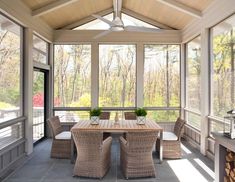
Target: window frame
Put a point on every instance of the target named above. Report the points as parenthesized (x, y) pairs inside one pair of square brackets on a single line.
[(118, 108), (188, 110), (21, 118), (66, 108), (167, 107), (21, 80), (39, 64), (211, 116)]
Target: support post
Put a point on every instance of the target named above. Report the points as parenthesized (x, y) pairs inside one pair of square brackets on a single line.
[(204, 90), (94, 75), (182, 81), (140, 75), (28, 89)]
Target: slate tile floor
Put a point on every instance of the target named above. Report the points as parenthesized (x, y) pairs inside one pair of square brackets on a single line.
[(41, 168)]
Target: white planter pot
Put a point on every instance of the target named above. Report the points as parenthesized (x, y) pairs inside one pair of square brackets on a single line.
[(95, 119), (141, 119)]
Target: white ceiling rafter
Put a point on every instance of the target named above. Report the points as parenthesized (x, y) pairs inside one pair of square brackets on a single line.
[(145, 19), (87, 19), (51, 7), (181, 7)]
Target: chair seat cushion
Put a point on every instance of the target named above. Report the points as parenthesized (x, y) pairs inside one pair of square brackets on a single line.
[(170, 136), (65, 135)]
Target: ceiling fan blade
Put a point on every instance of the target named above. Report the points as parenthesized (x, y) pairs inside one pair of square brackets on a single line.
[(141, 29), (102, 34), (117, 6), (104, 20)]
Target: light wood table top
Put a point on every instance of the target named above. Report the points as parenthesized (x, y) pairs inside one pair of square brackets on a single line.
[(122, 126)]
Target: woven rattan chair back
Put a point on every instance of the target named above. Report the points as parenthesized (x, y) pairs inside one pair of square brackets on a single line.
[(141, 141), (179, 128), (88, 142), (130, 116), (105, 115), (54, 123)]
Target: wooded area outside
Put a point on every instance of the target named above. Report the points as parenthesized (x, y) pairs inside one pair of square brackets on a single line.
[(10, 69), (117, 78), (193, 81), (117, 75), (222, 72), (162, 76), (72, 76), (223, 80), (193, 71)]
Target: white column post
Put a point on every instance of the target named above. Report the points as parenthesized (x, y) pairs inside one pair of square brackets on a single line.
[(94, 74), (204, 90), (51, 83), (140, 75), (28, 89), (182, 81)]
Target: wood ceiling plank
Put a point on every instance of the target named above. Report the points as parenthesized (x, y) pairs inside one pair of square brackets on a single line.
[(51, 7), (159, 12), (35, 4), (145, 19), (181, 7), (199, 5), (76, 11), (87, 19)]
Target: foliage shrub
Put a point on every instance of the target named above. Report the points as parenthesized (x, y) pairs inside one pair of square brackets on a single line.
[(4, 105), (95, 112), (140, 112)]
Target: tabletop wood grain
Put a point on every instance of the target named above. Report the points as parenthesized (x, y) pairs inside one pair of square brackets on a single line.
[(122, 126)]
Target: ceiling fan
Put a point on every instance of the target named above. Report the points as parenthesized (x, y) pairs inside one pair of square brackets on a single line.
[(117, 24)]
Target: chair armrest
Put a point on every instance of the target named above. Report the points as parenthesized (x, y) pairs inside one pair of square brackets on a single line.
[(107, 141), (106, 147), (122, 141), (123, 145)]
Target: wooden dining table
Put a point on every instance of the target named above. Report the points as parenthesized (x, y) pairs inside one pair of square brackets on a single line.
[(121, 126)]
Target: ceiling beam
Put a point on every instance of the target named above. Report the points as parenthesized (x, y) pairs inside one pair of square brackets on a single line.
[(51, 7), (145, 19), (86, 19), (181, 7)]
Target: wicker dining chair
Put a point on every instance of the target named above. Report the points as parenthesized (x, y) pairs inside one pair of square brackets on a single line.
[(172, 141), (105, 115), (94, 154), (136, 154), (130, 116), (61, 140)]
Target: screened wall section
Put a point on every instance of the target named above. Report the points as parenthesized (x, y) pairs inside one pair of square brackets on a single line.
[(162, 81), (117, 85), (11, 82), (72, 82), (193, 82), (222, 78)]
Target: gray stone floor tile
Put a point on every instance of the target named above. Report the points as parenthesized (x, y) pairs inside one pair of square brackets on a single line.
[(41, 168)]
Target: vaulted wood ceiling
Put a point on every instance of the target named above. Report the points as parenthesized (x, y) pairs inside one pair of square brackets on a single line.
[(172, 13)]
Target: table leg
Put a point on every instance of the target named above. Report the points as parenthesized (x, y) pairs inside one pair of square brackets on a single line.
[(161, 148), (72, 151)]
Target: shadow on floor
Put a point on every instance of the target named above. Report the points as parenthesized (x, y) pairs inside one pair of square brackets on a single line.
[(41, 168)]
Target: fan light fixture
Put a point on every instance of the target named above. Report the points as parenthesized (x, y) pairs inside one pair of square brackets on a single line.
[(117, 24)]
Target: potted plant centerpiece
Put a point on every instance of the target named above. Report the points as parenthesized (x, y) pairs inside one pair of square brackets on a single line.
[(141, 115), (94, 114)]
